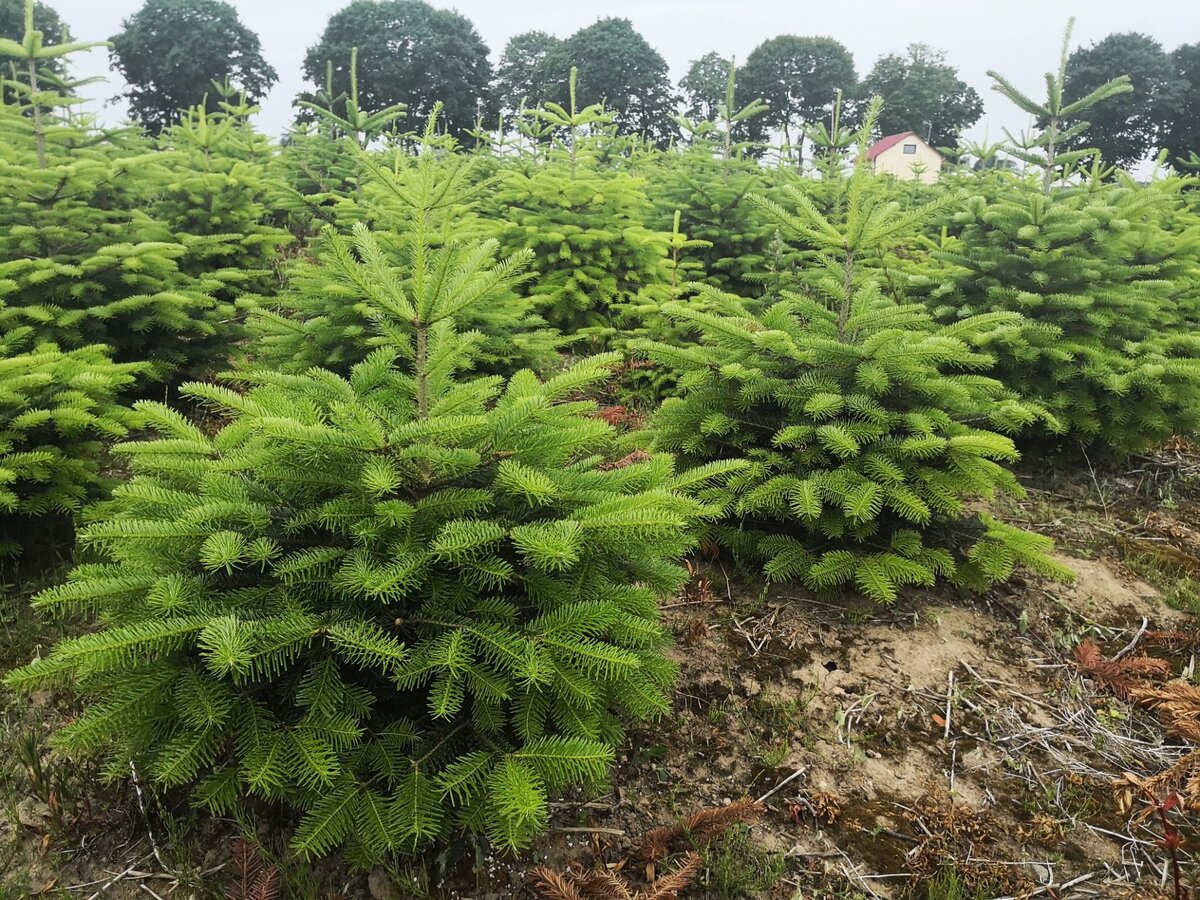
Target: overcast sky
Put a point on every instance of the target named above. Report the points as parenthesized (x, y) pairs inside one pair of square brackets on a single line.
[(1019, 38)]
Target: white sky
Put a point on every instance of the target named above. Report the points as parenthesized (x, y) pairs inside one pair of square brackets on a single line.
[(1019, 38)]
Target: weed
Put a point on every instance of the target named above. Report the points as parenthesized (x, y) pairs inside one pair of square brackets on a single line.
[(856, 616), (738, 868), (947, 884), (1179, 588)]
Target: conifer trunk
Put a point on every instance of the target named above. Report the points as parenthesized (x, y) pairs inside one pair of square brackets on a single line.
[(847, 287), (421, 365), (1051, 150), (39, 135)]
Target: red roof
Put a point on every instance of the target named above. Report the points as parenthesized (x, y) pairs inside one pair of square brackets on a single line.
[(884, 143)]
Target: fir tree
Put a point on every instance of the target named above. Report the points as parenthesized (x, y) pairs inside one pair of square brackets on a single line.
[(54, 31), (82, 260), (423, 212), (316, 164), (354, 121), (708, 184), (1059, 125), (868, 427), (56, 412), (585, 226), (219, 198), (404, 603), (831, 142), (1109, 344)]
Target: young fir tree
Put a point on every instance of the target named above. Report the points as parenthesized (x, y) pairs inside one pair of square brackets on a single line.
[(1110, 344), (56, 412), (313, 161), (359, 125), (867, 426), (401, 602), (425, 205), (56, 408), (831, 142), (82, 261), (321, 163), (220, 197), (1058, 122), (708, 184), (585, 225), (1107, 346)]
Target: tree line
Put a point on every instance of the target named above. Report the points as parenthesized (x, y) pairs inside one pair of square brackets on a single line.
[(408, 52)]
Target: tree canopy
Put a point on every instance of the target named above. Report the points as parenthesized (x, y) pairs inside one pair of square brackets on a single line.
[(170, 52), (524, 73), (798, 78), (619, 68), (703, 86), (1128, 128), (921, 92), (1182, 133), (410, 53)]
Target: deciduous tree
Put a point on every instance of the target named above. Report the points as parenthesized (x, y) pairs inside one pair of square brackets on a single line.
[(410, 53), (171, 52), (798, 78), (1181, 136), (524, 74), (921, 92), (1128, 128), (704, 84)]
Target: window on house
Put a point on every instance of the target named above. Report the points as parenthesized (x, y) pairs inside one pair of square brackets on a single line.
[(910, 149)]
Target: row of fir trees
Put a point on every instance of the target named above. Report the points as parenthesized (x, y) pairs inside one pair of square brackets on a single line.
[(378, 454)]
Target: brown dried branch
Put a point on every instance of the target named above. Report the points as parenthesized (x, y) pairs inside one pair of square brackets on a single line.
[(247, 865), (1182, 778), (668, 886), (1177, 704), (1119, 676), (617, 416), (636, 456), (700, 828), (554, 885), (253, 879), (610, 886), (266, 887), (607, 886), (1175, 641)]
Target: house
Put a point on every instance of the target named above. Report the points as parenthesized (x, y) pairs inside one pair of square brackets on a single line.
[(896, 155)]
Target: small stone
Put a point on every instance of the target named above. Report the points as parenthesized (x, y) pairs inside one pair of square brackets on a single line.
[(1041, 873), (33, 813), (42, 884), (380, 886)]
